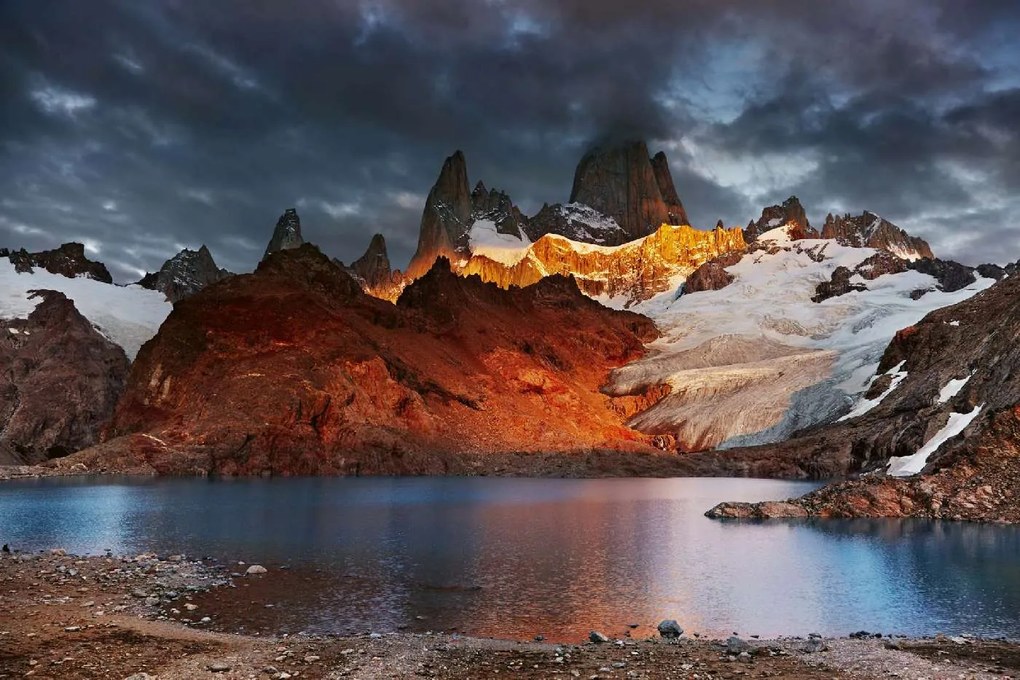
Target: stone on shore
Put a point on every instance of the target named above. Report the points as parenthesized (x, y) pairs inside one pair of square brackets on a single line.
[(670, 629)]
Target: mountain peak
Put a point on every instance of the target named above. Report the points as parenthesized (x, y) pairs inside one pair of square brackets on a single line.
[(622, 182), (871, 230), (446, 219), (789, 212), (287, 233)]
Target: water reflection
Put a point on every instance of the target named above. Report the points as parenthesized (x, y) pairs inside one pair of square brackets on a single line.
[(515, 558)]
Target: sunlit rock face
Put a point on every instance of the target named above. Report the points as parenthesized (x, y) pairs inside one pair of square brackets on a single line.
[(632, 272), (868, 230), (623, 236), (313, 376)]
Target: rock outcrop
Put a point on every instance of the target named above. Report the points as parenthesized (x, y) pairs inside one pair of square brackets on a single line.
[(373, 271), (496, 207), (712, 275), (939, 433), (791, 212), (59, 383), (842, 279), (634, 271), (949, 274), (186, 273), (294, 370), (68, 260), (868, 230), (287, 233), (622, 182), (577, 222)]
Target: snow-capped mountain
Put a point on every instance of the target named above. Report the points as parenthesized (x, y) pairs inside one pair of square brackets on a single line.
[(126, 315), (758, 359)]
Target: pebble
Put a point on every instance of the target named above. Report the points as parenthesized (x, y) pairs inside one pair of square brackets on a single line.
[(219, 667), (597, 637), (190, 607), (311, 658), (255, 569)]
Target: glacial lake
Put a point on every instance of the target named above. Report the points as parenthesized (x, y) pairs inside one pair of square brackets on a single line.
[(515, 558)]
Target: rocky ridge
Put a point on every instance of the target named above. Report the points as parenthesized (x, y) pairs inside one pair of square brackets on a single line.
[(869, 230), (313, 376), (60, 382), (186, 273), (68, 260)]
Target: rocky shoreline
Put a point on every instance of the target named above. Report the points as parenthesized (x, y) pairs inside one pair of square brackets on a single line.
[(146, 617)]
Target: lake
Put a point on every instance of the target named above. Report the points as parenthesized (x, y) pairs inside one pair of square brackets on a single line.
[(514, 558)]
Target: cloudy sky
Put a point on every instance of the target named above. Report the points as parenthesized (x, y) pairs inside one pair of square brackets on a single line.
[(142, 126)]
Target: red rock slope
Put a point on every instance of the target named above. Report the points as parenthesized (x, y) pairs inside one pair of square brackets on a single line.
[(294, 370)]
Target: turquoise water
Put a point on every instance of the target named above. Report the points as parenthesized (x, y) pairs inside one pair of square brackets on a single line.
[(519, 557)]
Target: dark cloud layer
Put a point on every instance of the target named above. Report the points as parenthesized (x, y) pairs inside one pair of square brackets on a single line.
[(141, 128)]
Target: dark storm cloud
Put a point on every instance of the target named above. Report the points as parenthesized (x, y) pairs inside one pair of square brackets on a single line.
[(140, 128)]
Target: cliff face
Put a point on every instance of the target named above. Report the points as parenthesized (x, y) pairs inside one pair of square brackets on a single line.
[(939, 428), (635, 271), (293, 370), (868, 230), (186, 273), (60, 382), (622, 182)]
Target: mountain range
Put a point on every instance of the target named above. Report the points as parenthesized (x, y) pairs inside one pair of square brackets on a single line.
[(603, 335)]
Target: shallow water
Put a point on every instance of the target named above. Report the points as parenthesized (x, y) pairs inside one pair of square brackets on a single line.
[(518, 557)]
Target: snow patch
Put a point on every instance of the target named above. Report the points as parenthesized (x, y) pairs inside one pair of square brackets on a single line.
[(952, 388), (904, 466), (865, 405), (486, 241), (126, 315)]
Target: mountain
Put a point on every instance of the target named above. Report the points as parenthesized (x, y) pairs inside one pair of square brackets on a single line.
[(791, 212), (496, 207), (938, 431), (757, 360), (311, 375), (372, 270), (186, 273), (868, 230), (446, 219), (126, 315), (68, 260), (624, 274), (622, 182), (60, 382), (287, 233)]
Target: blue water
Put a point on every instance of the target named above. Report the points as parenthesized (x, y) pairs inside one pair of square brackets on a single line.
[(518, 557)]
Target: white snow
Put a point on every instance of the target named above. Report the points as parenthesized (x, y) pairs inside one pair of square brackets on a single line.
[(905, 466), (506, 249), (775, 221), (952, 388), (954, 323), (864, 405), (770, 297), (127, 315)]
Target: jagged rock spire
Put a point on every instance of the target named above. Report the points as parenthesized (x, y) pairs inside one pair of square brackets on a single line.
[(287, 233)]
